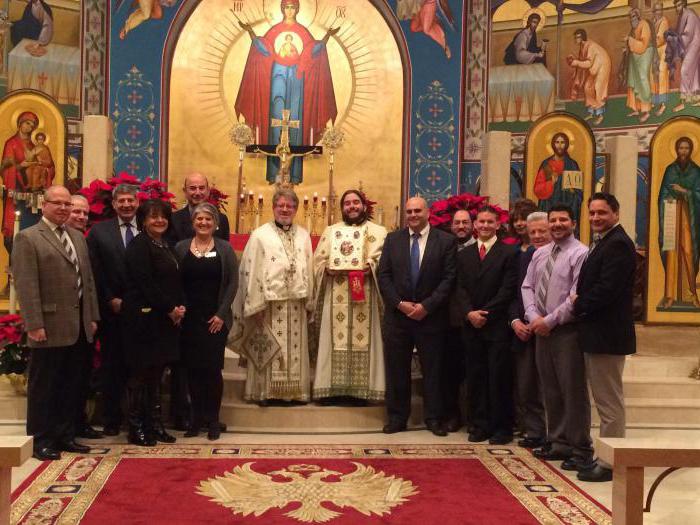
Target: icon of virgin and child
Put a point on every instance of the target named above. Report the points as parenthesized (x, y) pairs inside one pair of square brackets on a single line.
[(287, 68)]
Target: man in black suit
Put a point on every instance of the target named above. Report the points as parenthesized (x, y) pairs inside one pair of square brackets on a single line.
[(486, 285), (603, 307), (416, 272), (196, 189), (107, 242)]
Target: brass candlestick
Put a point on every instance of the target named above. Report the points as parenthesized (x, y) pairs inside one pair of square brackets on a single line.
[(332, 139), (241, 135), (314, 212)]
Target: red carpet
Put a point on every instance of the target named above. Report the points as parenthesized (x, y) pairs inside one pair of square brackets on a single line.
[(303, 484)]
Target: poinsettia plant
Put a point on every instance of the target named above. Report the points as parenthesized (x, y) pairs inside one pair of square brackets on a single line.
[(442, 211), (218, 198), (14, 352)]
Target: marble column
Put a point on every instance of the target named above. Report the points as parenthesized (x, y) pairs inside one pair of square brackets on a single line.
[(97, 148), (495, 168), (623, 152)]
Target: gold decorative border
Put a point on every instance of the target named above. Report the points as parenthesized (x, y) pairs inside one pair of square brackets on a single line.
[(549, 497)]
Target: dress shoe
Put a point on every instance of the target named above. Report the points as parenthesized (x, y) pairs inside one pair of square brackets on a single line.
[(548, 454), (86, 431), (192, 433), (595, 474), (477, 436), (46, 454), (392, 427), (436, 428), (577, 463), (531, 442), (110, 429), (161, 435), (500, 439), (453, 425), (138, 437), (214, 431), (222, 427), (72, 446)]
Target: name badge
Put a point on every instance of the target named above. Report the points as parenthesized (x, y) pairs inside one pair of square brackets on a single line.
[(146, 310), (210, 254)]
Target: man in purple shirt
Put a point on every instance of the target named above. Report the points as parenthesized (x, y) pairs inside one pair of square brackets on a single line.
[(550, 281)]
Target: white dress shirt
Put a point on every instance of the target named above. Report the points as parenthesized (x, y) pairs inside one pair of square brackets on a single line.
[(122, 228), (489, 244)]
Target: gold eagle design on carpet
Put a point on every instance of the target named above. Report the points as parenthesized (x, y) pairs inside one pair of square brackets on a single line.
[(247, 492)]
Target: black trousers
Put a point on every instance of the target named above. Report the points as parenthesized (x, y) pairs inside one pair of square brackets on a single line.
[(206, 388), (399, 342), (52, 392), (453, 373), (490, 383), (84, 381), (114, 372), (180, 408)]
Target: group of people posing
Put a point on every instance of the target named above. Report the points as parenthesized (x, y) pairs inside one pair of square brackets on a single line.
[(524, 327)]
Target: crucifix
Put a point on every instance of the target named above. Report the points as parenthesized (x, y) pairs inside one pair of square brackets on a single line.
[(283, 152)]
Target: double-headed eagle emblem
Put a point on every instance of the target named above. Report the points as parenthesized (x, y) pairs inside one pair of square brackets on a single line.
[(367, 491)]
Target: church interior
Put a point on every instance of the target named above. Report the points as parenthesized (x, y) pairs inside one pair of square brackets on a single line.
[(453, 101)]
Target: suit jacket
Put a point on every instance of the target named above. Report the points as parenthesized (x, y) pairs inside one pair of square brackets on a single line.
[(435, 280), (47, 285), (605, 289), (522, 261), (107, 254), (181, 227), (487, 285), (229, 276)]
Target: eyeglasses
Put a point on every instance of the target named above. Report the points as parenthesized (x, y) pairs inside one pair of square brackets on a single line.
[(60, 204)]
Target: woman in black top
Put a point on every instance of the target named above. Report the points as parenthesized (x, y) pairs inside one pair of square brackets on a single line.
[(210, 278), (153, 311)]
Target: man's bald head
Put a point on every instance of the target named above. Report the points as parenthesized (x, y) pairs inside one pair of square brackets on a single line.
[(196, 188), (57, 204), (417, 213)]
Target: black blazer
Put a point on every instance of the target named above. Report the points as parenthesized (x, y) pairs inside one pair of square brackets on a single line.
[(435, 280), (522, 261), (487, 285), (229, 276), (181, 227), (605, 290), (107, 255)]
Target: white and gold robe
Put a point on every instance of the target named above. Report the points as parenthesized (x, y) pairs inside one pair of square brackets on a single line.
[(350, 348), (276, 277)]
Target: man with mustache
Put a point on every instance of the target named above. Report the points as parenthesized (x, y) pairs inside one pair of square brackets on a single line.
[(350, 363)]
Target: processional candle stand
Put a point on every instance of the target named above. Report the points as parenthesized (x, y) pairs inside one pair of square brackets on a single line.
[(332, 139), (241, 135), (13, 290)]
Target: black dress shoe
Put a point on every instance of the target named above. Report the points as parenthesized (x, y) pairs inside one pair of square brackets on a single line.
[(477, 436), (436, 428), (110, 429), (214, 431), (595, 474), (86, 431), (46, 454), (531, 442), (392, 427), (222, 427), (548, 454), (577, 463), (453, 425), (72, 446), (138, 437), (500, 439), (192, 433), (161, 435)]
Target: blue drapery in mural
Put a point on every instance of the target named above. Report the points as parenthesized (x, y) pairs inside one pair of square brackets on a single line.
[(590, 7)]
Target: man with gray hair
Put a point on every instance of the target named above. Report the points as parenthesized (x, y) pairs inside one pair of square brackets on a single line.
[(270, 312), (107, 242)]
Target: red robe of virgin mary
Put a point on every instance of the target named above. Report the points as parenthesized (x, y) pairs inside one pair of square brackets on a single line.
[(13, 178), (253, 101)]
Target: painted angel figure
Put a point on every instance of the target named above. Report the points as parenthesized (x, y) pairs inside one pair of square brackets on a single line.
[(423, 15), (143, 10)]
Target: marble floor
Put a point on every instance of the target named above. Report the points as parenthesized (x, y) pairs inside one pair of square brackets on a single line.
[(677, 500)]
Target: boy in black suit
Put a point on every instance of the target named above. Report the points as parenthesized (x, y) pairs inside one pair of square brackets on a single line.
[(486, 285), (416, 272)]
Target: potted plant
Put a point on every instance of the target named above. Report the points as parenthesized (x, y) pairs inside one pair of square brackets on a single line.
[(14, 352)]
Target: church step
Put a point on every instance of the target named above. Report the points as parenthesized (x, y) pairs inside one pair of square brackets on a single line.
[(650, 412), (661, 387), (668, 341), (659, 366), (12, 406)]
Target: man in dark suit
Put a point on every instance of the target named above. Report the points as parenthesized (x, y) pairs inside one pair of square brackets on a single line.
[(603, 308), (107, 242), (416, 272), (196, 189), (486, 285), (51, 268)]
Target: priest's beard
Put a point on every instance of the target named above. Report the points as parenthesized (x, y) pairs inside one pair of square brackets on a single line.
[(362, 217)]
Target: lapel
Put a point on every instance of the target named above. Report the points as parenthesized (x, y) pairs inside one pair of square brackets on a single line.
[(75, 236), (429, 248), (404, 255), (50, 236), (491, 257), (116, 235)]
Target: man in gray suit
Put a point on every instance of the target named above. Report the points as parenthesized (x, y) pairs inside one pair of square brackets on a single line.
[(54, 282)]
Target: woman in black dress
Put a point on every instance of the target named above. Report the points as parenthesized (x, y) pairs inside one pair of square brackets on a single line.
[(153, 310), (210, 278)]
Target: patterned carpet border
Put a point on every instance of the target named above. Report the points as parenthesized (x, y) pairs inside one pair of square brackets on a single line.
[(62, 491)]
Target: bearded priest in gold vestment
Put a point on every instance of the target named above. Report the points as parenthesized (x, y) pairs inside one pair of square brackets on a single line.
[(271, 309), (350, 363)]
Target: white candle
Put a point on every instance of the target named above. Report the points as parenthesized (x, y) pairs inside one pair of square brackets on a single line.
[(13, 291), (312, 136), (257, 134)]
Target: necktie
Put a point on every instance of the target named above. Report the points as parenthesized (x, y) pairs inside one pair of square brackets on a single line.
[(129, 234), (415, 259), (63, 237), (596, 239), (544, 282), (482, 252)]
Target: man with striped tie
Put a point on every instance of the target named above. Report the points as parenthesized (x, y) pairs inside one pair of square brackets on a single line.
[(56, 291), (550, 281)]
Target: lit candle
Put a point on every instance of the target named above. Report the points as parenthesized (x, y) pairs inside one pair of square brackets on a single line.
[(315, 197), (323, 202), (13, 291), (312, 136), (306, 200), (242, 198), (250, 195), (257, 134), (260, 199)]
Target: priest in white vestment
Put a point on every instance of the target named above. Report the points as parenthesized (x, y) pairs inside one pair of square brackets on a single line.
[(350, 361), (270, 312)]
